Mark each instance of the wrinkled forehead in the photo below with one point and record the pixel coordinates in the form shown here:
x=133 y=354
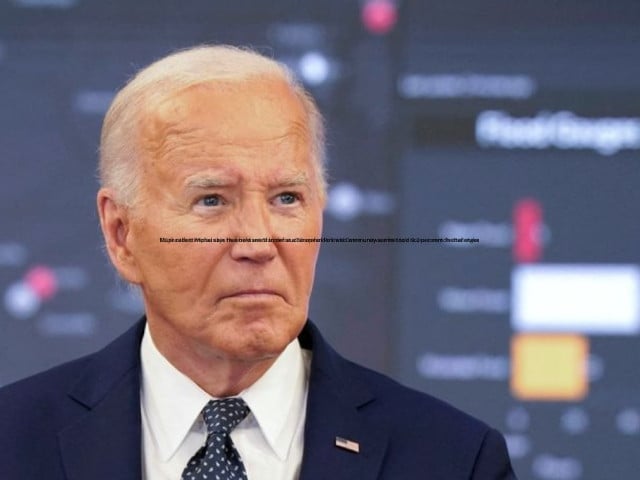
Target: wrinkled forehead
x=240 y=113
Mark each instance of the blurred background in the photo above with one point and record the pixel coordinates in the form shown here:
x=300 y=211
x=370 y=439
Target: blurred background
x=516 y=123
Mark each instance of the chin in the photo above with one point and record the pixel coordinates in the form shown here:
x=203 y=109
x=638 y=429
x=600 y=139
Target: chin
x=256 y=338
x=253 y=348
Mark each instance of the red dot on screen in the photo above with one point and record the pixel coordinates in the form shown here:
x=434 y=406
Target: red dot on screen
x=42 y=281
x=379 y=16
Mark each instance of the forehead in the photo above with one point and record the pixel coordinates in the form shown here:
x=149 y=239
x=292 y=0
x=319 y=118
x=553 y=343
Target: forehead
x=226 y=113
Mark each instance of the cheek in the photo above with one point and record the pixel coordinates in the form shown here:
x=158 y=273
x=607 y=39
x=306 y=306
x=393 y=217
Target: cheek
x=307 y=254
x=302 y=257
x=173 y=265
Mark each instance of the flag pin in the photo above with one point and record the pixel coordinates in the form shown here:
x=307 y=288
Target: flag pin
x=348 y=444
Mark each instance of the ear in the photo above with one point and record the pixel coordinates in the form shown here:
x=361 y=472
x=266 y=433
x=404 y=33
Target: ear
x=115 y=221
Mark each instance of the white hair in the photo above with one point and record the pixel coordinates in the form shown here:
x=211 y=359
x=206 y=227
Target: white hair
x=119 y=150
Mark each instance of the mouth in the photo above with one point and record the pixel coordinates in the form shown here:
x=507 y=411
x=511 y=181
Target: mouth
x=253 y=294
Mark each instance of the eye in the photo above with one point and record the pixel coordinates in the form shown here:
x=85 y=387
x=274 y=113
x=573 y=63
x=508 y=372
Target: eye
x=288 y=198
x=210 y=201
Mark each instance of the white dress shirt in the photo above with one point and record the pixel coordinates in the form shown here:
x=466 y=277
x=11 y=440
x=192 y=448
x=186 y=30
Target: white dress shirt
x=269 y=440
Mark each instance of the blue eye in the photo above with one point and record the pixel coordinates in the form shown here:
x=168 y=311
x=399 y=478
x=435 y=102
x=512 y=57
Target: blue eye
x=288 y=198
x=211 y=201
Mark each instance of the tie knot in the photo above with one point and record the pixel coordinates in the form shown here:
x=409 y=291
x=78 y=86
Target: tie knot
x=222 y=416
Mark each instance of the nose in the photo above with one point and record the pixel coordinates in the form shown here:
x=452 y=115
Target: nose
x=253 y=234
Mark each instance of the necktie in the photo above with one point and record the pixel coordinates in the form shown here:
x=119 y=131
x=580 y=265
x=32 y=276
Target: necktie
x=218 y=459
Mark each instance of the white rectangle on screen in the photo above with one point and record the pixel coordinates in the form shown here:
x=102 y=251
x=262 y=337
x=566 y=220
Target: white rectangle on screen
x=582 y=298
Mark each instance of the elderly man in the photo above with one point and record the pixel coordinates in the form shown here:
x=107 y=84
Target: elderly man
x=224 y=377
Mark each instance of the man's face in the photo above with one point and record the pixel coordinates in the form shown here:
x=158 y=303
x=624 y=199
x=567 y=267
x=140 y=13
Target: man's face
x=227 y=161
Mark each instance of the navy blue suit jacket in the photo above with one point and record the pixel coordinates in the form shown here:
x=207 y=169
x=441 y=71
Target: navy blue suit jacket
x=81 y=421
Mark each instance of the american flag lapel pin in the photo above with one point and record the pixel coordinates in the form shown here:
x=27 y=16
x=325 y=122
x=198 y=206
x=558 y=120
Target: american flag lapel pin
x=348 y=444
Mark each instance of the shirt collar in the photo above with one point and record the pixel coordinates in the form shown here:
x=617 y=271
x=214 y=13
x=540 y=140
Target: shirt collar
x=278 y=399
x=173 y=402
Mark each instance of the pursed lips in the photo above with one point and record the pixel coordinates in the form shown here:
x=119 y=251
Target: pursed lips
x=252 y=293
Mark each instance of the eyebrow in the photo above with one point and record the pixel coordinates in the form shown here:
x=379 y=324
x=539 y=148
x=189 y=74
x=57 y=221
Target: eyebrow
x=295 y=180
x=206 y=182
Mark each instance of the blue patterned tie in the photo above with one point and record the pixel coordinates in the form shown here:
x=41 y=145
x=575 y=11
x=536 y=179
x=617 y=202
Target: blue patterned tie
x=218 y=459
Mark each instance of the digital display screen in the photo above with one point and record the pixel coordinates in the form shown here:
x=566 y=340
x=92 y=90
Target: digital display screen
x=510 y=133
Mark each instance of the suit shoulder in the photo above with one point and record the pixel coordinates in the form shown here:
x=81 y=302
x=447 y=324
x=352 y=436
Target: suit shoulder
x=43 y=385
x=32 y=411
x=418 y=409
x=104 y=367
x=418 y=424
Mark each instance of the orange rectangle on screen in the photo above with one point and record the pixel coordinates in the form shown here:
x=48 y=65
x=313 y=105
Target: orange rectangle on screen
x=549 y=367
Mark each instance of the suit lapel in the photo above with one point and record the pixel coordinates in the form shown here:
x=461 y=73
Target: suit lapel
x=105 y=443
x=334 y=410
